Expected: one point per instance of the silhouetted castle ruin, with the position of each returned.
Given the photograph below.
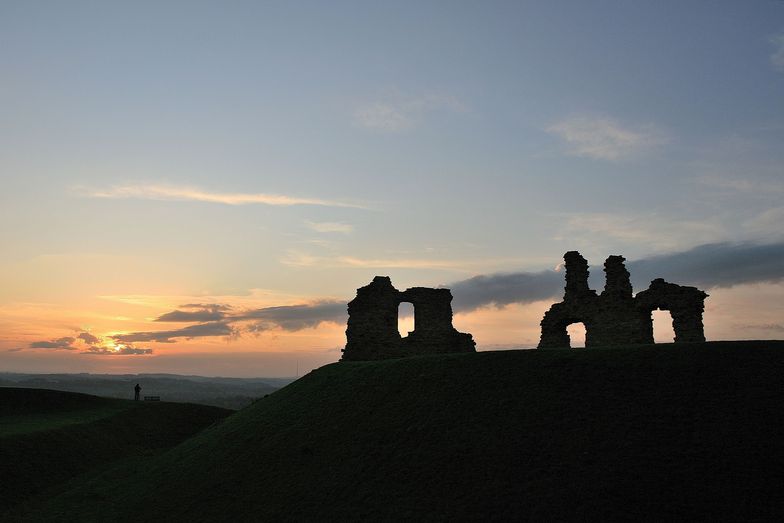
(616, 317)
(372, 332)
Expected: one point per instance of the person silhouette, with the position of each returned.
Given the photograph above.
(136, 390)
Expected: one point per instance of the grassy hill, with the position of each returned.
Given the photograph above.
(664, 432)
(49, 437)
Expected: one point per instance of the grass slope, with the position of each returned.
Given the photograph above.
(49, 437)
(658, 433)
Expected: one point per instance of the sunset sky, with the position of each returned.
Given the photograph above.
(200, 187)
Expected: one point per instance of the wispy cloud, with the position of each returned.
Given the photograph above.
(181, 193)
(396, 112)
(749, 185)
(199, 330)
(64, 343)
(231, 322)
(327, 227)
(87, 343)
(88, 338)
(767, 222)
(296, 317)
(604, 138)
(651, 229)
(195, 312)
(122, 350)
(777, 327)
(777, 57)
(299, 259)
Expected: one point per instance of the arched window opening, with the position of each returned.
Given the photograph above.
(663, 331)
(576, 332)
(405, 318)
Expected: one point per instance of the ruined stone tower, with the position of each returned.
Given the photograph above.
(616, 316)
(372, 332)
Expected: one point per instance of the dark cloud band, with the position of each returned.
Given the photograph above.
(707, 266)
(200, 330)
(711, 265)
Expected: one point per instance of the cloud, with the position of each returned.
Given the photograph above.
(64, 343)
(213, 306)
(96, 345)
(778, 327)
(604, 138)
(199, 330)
(88, 338)
(505, 288)
(343, 228)
(714, 265)
(767, 222)
(761, 187)
(777, 57)
(705, 266)
(196, 313)
(90, 345)
(296, 317)
(222, 320)
(383, 116)
(299, 259)
(126, 350)
(175, 193)
(287, 317)
(659, 231)
(396, 112)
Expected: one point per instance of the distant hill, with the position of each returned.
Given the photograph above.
(230, 393)
(654, 433)
(49, 437)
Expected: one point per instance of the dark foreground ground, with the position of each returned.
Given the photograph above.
(639, 433)
(49, 437)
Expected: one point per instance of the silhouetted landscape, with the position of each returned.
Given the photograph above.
(435, 260)
(672, 431)
(229, 393)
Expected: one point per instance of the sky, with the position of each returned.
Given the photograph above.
(200, 187)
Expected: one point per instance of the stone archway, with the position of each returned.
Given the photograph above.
(555, 323)
(686, 305)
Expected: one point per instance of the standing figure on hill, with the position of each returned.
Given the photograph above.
(136, 390)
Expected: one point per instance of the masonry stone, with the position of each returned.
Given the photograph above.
(372, 332)
(616, 316)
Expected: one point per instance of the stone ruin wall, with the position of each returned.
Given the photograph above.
(616, 316)
(372, 332)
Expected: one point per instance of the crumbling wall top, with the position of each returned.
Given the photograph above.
(617, 281)
(576, 276)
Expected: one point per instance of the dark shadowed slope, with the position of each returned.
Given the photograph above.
(49, 437)
(638, 433)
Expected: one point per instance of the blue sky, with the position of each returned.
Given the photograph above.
(431, 141)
